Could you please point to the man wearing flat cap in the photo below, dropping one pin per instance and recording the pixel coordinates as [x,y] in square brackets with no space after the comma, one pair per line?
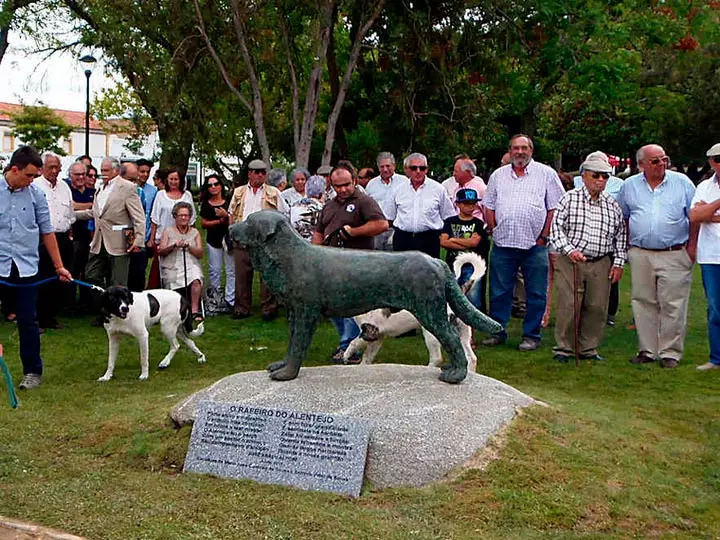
[656,203]
[246,200]
[588,231]
[705,211]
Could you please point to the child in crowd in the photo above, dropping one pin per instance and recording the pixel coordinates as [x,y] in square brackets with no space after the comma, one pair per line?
[465,232]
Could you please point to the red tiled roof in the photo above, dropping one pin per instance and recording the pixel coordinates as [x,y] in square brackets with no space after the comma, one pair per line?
[74,118]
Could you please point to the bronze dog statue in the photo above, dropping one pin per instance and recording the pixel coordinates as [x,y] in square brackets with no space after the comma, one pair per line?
[317,281]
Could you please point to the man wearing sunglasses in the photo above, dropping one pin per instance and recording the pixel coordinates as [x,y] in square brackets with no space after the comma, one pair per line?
[520,200]
[706,212]
[419,209]
[656,203]
[247,200]
[588,230]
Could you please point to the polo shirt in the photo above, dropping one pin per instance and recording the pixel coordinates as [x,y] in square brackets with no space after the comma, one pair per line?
[355,211]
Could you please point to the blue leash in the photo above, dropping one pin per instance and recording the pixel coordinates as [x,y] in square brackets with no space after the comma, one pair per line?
[9,382]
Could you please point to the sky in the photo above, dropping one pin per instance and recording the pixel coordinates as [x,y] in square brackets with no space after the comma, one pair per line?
[58,82]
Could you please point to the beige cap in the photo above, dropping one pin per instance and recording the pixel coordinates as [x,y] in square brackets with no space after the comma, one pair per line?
[257,164]
[597,162]
[714,150]
[324,170]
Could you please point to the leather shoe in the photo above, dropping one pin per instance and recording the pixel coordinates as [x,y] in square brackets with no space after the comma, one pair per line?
[528,344]
[493,341]
[642,359]
[595,357]
[562,358]
[669,363]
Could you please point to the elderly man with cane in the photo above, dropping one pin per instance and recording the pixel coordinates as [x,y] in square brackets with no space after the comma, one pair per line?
[588,230]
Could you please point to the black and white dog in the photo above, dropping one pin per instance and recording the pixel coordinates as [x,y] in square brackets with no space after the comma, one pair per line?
[134,313]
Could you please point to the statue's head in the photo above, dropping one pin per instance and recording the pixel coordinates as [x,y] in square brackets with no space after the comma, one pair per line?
[257,229]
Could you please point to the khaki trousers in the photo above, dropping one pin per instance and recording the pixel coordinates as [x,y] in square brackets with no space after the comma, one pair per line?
[243,286]
[660,292]
[593,288]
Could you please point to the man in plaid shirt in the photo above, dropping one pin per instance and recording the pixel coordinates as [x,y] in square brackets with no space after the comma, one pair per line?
[588,230]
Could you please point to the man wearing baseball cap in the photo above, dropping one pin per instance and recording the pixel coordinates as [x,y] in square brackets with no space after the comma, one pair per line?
[588,230]
[705,211]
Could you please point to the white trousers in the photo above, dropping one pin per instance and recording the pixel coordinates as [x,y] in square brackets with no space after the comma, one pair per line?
[215,264]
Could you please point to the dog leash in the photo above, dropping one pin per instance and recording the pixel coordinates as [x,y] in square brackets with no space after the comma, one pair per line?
[9,382]
[48,280]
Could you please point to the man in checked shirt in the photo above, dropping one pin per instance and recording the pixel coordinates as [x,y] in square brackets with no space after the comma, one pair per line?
[588,230]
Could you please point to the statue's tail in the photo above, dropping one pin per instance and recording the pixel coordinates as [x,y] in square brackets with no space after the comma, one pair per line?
[462,307]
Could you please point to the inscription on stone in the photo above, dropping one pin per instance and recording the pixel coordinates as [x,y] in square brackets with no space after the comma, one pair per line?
[301,449]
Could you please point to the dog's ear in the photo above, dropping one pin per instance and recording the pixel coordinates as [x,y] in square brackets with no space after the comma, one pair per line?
[369,332]
[266,225]
[106,308]
[127,296]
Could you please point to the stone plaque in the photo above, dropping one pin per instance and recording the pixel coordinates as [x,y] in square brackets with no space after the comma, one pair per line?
[313,451]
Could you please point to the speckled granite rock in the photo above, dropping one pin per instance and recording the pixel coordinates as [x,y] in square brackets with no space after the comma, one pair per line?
[421,428]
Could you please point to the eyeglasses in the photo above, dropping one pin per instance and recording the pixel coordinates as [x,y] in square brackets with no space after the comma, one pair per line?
[182,215]
[657,161]
[418,167]
[716,159]
[213,184]
[597,175]
[258,171]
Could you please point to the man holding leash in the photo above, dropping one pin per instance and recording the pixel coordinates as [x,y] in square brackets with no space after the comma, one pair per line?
[24,223]
[588,230]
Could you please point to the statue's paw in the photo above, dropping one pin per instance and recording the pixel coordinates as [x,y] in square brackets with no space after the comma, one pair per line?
[453,375]
[286,373]
[276,365]
[445,366]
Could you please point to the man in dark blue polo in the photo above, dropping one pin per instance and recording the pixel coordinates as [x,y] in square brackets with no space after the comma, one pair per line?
[24,222]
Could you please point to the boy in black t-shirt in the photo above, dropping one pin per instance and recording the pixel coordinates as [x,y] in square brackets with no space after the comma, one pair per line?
[465,232]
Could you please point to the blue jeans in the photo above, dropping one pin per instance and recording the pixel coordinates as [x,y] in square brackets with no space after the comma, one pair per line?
[28,329]
[711,283]
[347,328]
[504,264]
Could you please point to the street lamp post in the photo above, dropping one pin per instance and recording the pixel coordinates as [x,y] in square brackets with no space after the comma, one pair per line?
[88,62]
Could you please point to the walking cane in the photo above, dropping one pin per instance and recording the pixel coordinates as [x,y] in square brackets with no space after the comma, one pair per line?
[576,312]
[187,290]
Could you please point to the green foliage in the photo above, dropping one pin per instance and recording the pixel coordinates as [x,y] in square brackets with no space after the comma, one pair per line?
[119,110]
[39,126]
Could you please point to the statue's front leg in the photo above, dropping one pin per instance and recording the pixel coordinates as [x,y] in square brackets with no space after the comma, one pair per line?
[302,327]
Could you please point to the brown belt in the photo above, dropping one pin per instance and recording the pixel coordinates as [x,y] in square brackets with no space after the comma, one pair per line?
[676,247]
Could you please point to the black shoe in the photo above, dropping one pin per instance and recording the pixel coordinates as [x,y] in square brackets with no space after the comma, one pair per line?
[642,359]
[268,317]
[237,315]
[669,363]
[562,358]
[611,320]
[595,357]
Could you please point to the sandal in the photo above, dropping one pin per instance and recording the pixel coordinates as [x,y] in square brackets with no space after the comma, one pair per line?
[197,317]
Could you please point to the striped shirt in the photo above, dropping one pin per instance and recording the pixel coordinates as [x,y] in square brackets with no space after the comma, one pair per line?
[594,227]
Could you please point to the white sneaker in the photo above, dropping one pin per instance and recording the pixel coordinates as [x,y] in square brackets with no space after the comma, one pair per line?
[30,381]
[707,366]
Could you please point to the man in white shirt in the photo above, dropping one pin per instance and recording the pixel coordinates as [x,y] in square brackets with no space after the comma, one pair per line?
[705,210]
[465,177]
[382,188]
[419,210]
[62,216]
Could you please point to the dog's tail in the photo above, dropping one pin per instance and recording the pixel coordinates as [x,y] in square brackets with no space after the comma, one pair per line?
[478,266]
[462,307]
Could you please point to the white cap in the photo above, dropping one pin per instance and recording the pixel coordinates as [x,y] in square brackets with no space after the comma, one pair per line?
[714,150]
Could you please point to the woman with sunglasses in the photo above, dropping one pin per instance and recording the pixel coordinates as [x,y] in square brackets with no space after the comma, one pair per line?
[214,218]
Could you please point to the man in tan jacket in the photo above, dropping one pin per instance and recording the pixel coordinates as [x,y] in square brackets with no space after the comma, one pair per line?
[119,227]
[246,200]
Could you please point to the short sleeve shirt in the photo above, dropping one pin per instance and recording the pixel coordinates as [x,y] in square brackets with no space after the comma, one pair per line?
[215,233]
[455,227]
[355,211]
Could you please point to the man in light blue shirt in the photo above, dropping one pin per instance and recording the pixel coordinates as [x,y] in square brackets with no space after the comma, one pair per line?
[24,222]
[656,203]
[139,260]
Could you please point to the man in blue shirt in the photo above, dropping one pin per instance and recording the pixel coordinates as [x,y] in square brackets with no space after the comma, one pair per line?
[24,222]
[147,192]
[656,203]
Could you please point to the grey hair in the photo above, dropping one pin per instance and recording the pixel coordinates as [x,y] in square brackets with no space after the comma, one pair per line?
[69,171]
[114,162]
[414,156]
[299,170]
[179,206]
[384,155]
[276,177]
[50,155]
[522,135]
[468,166]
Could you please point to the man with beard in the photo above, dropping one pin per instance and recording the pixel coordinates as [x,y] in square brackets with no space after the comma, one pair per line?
[519,201]
[350,220]
[382,188]
[62,216]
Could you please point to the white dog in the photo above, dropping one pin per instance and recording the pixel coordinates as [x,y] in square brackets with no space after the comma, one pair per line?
[134,313]
[379,324]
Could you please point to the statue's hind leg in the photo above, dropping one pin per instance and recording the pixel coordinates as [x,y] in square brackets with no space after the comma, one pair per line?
[303,323]
[434,318]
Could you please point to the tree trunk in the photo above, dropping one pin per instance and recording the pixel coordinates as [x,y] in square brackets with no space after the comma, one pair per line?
[176,144]
[352,62]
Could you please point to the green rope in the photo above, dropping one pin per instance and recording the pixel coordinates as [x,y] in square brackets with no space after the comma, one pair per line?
[10,385]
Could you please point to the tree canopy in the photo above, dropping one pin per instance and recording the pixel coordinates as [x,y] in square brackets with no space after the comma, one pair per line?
[39,126]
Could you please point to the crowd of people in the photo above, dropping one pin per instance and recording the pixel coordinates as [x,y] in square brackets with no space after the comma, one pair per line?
[532,228]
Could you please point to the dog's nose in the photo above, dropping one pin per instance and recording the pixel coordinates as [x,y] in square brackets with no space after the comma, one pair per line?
[124,309]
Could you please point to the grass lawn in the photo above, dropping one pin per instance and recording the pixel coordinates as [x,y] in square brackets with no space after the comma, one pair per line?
[621,451]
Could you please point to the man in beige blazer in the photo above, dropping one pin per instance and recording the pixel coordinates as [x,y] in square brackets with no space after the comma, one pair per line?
[119,227]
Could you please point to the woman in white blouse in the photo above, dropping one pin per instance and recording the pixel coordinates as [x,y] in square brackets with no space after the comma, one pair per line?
[161,217]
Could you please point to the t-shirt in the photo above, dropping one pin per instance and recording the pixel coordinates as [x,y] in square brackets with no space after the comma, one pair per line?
[355,211]
[216,233]
[455,227]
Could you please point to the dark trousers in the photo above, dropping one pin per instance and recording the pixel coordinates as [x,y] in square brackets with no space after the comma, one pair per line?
[614,299]
[138,265]
[54,295]
[243,286]
[81,252]
[427,241]
[28,328]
